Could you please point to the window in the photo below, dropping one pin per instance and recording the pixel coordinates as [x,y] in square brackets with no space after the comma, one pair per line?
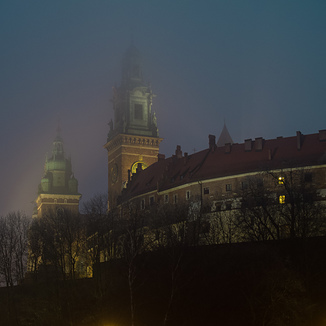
[228,206]
[138,114]
[175,198]
[151,200]
[280,180]
[281,199]
[244,185]
[308,177]
[166,198]
[142,204]
[188,194]
[228,187]
[206,191]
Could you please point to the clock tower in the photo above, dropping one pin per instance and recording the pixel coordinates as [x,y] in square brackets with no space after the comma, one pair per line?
[133,138]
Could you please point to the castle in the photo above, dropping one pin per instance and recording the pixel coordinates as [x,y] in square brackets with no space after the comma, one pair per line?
[216,179]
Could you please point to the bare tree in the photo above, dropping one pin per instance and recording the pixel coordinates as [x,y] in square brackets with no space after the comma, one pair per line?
[13,247]
[57,242]
[97,228]
[300,209]
[134,241]
[278,205]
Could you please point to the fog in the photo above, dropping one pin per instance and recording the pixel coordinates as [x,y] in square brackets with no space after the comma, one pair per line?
[258,66]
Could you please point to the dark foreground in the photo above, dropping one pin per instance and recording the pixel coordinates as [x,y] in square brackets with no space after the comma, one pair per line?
[274,283]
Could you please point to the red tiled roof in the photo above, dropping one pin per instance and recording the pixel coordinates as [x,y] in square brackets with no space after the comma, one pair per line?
[224,161]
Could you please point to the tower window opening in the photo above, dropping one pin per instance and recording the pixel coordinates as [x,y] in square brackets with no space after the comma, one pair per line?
[188,194]
[138,111]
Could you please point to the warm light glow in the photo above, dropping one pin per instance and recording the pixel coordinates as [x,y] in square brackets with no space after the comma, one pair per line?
[280,180]
[281,199]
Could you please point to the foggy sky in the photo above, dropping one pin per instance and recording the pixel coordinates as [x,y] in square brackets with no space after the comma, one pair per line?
[260,65]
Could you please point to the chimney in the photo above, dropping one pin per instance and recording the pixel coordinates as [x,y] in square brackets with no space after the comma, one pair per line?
[259,144]
[299,140]
[211,142]
[160,157]
[227,148]
[178,152]
[322,135]
[185,158]
[248,145]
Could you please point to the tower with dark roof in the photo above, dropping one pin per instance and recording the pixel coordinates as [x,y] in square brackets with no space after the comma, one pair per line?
[133,136]
[224,138]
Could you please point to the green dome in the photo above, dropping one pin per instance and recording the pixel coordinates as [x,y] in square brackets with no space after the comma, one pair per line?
[56,165]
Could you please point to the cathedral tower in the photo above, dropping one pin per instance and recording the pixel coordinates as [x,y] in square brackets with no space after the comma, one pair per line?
[133,138]
[58,187]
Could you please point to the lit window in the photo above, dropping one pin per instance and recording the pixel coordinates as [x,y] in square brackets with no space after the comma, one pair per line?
[188,194]
[206,191]
[228,187]
[280,180]
[281,199]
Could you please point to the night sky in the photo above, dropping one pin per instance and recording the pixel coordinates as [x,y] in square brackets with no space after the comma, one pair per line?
[258,65]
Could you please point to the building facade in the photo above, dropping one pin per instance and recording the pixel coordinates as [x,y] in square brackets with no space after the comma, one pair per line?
[277,187]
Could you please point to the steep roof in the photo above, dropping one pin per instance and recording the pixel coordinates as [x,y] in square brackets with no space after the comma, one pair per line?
[224,138]
[251,156]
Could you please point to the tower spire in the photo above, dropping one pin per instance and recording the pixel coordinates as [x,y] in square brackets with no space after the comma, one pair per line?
[58,128]
[225,137]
